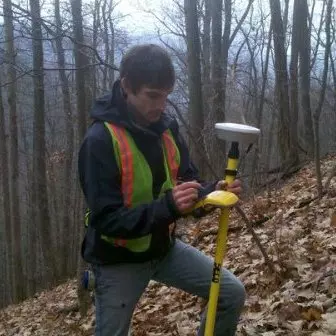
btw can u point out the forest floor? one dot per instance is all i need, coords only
(296, 229)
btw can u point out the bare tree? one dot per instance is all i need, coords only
(194, 77)
(217, 97)
(112, 41)
(318, 33)
(19, 292)
(333, 71)
(4, 177)
(317, 113)
(294, 91)
(228, 39)
(81, 61)
(304, 45)
(96, 25)
(42, 218)
(260, 108)
(206, 44)
(284, 137)
(69, 150)
(285, 15)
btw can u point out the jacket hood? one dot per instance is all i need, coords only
(113, 108)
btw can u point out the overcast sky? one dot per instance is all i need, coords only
(138, 21)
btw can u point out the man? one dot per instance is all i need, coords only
(129, 163)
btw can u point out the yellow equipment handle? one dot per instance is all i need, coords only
(231, 172)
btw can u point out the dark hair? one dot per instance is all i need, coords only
(149, 65)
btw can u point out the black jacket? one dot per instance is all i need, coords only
(101, 183)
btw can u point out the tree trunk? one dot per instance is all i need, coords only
(294, 91)
(19, 292)
(112, 49)
(304, 45)
(206, 51)
(42, 219)
(217, 92)
(226, 42)
(31, 231)
(318, 110)
(106, 45)
(8, 277)
(333, 71)
(318, 42)
(69, 150)
(261, 108)
(96, 25)
(284, 138)
(205, 60)
(194, 78)
(81, 62)
(285, 17)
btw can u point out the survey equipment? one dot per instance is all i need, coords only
(238, 135)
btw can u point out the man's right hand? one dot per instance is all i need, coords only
(185, 195)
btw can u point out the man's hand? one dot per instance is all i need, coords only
(234, 187)
(185, 195)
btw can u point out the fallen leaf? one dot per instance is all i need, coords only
(333, 219)
(312, 314)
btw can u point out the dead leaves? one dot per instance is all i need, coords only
(333, 219)
(312, 314)
(299, 299)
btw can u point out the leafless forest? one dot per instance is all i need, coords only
(270, 64)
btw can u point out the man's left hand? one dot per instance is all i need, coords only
(234, 187)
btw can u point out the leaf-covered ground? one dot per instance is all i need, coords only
(298, 233)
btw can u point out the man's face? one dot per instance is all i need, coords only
(149, 103)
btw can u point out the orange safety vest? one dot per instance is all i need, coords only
(136, 177)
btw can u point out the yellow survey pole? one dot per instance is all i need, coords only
(230, 174)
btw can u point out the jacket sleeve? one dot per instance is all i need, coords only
(101, 183)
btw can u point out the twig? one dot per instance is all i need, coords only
(256, 238)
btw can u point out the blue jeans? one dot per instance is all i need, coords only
(119, 287)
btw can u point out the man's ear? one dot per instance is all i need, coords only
(125, 85)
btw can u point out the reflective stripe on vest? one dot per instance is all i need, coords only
(126, 157)
(172, 156)
(137, 179)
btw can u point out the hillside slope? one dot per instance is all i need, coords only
(299, 237)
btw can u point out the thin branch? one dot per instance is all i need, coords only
(177, 54)
(241, 21)
(269, 263)
(166, 25)
(45, 24)
(73, 69)
(17, 78)
(318, 36)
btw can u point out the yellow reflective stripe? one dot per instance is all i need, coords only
(135, 245)
(86, 217)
